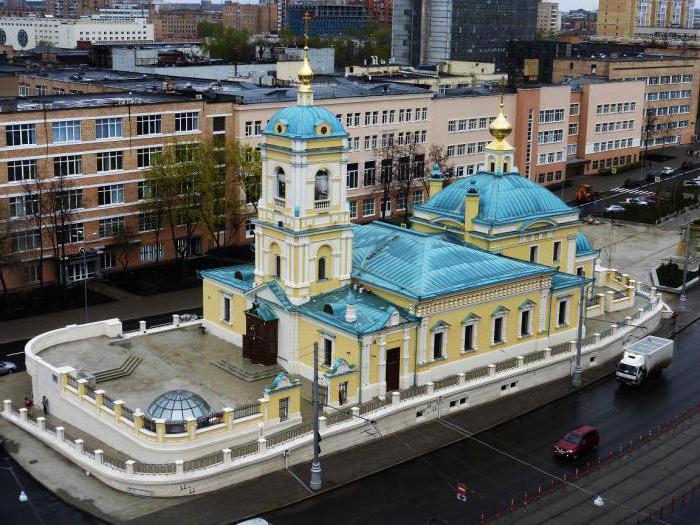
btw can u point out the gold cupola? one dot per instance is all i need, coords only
(500, 128)
(305, 96)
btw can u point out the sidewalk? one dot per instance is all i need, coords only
(131, 308)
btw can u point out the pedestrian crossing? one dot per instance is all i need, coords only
(631, 191)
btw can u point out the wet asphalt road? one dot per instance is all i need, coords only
(422, 490)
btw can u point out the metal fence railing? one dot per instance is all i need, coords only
(149, 424)
(374, 404)
(108, 402)
(154, 468)
(606, 333)
(72, 382)
(209, 421)
(476, 373)
(127, 413)
(249, 409)
(157, 322)
(507, 364)
(175, 427)
(338, 417)
(90, 391)
(446, 382)
(561, 348)
(245, 450)
(532, 357)
(288, 435)
(590, 340)
(117, 464)
(204, 462)
(413, 391)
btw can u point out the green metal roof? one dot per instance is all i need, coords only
(372, 311)
(421, 266)
(241, 276)
(301, 123)
(562, 281)
(583, 245)
(503, 198)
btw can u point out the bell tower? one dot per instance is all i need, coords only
(303, 235)
(499, 155)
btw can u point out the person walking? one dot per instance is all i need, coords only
(45, 405)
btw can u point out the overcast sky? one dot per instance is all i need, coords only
(565, 5)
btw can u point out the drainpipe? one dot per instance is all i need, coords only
(415, 357)
(549, 314)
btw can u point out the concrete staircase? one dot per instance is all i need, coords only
(125, 369)
(248, 371)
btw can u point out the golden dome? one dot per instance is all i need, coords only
(306, 74)
(500, 128)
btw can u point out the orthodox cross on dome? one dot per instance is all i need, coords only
(306, 74)
(500, 128)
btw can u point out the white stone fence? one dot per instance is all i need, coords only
(343, 429)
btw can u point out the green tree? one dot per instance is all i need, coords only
(208, 29)
(231, 45)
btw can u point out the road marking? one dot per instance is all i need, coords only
(16, 353)
(632, 191)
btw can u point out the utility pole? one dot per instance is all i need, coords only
(576, 378)
(682, 307)
(315, 483)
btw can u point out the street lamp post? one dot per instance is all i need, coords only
(682, 307)
(315, 482)
(576, 378)
(85, 299)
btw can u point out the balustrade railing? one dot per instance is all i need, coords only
(476, 373)
(338, 417)
(561, 348)
(127, 413)
(374, 404)
(446, 382)
(507, 364)
(245, 450)
(249, 409)
(203, 462)
(209, 421)
(289, 434)
(413, 391)
(532, 357)
(154, 468)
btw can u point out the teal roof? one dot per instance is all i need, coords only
(372, 311)
(503, 199)
(561, 281)
(583, 245)
(421, 266)
(262, 311)
(301, 123)
(241, 276)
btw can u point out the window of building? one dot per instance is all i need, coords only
(218, 124)
(401, 201)
(226, 308)
(327, 351)
(368, 208)
(148, 124)
(71, 233)
(563, 312)
(66, 131)
(278, 266)
(469, 337)
(574, 110)
(67, 165)
(343, 393)
(32, 273)
(322, 269)
(68, 200)
(556, 254)
(438, 341)
(146, 157)
(526, 314)
(281, 184)
(107, 128)
(533, 253)
(249, 229)
(24, 205)
(110, 161)
(551, 115)
(418, 197)
(186, 121)
(113, 194)
(573, 128)
(370, 174)
(25, 240)
(321, 186)
(20, 134)
(107, 260)
(284, 409)
(20, 170)
(498, 329)
(110, 227)
(352, 175)
(353, 209)
(151, 252)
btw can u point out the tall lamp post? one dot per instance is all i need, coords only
(682, 307)
(85, 280)
(576, 378)
(315, 482)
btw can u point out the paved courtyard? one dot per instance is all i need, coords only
(177, 359)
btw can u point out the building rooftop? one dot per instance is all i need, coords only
(92, 100)
(627, 58)
(242, 92)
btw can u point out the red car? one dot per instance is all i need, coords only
(577, 442)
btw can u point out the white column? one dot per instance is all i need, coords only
(571, 255)
(422, 339)
(543, 306)
(405, 355)
(179, 466)
(382, 365)
(99, 455)
(227, 454)
(366, 344)
(129, 466)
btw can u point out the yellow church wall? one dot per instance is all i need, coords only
(353, 380)
(324, 144)
(274, 398)
(211, 307)
(311, 331)
(573, 295)
(483, 338)
(392, 340)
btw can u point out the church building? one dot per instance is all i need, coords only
(493, 263)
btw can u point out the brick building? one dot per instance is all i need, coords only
(256, 18)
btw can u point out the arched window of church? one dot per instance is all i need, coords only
(322, 269)
(505, 165)
(281, 186)
(321, 186)
(278, 266)
(492, 164)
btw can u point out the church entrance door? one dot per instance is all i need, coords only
(393, 361)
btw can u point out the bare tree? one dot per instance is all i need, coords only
(32, 213)
(122, 246)
(386, 180)
(8, 257)
(58, 203)
(411, 173)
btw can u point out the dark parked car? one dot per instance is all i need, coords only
(577, 442)
(633, 183)
(651, 176)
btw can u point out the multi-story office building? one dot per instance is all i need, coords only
(623, 18)
(74, 8)
(548, 17)
(671, 90)
(176, 25)
(26, 33)
(256, 18)
(432, 31)
(328, 17)
(559, 129)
